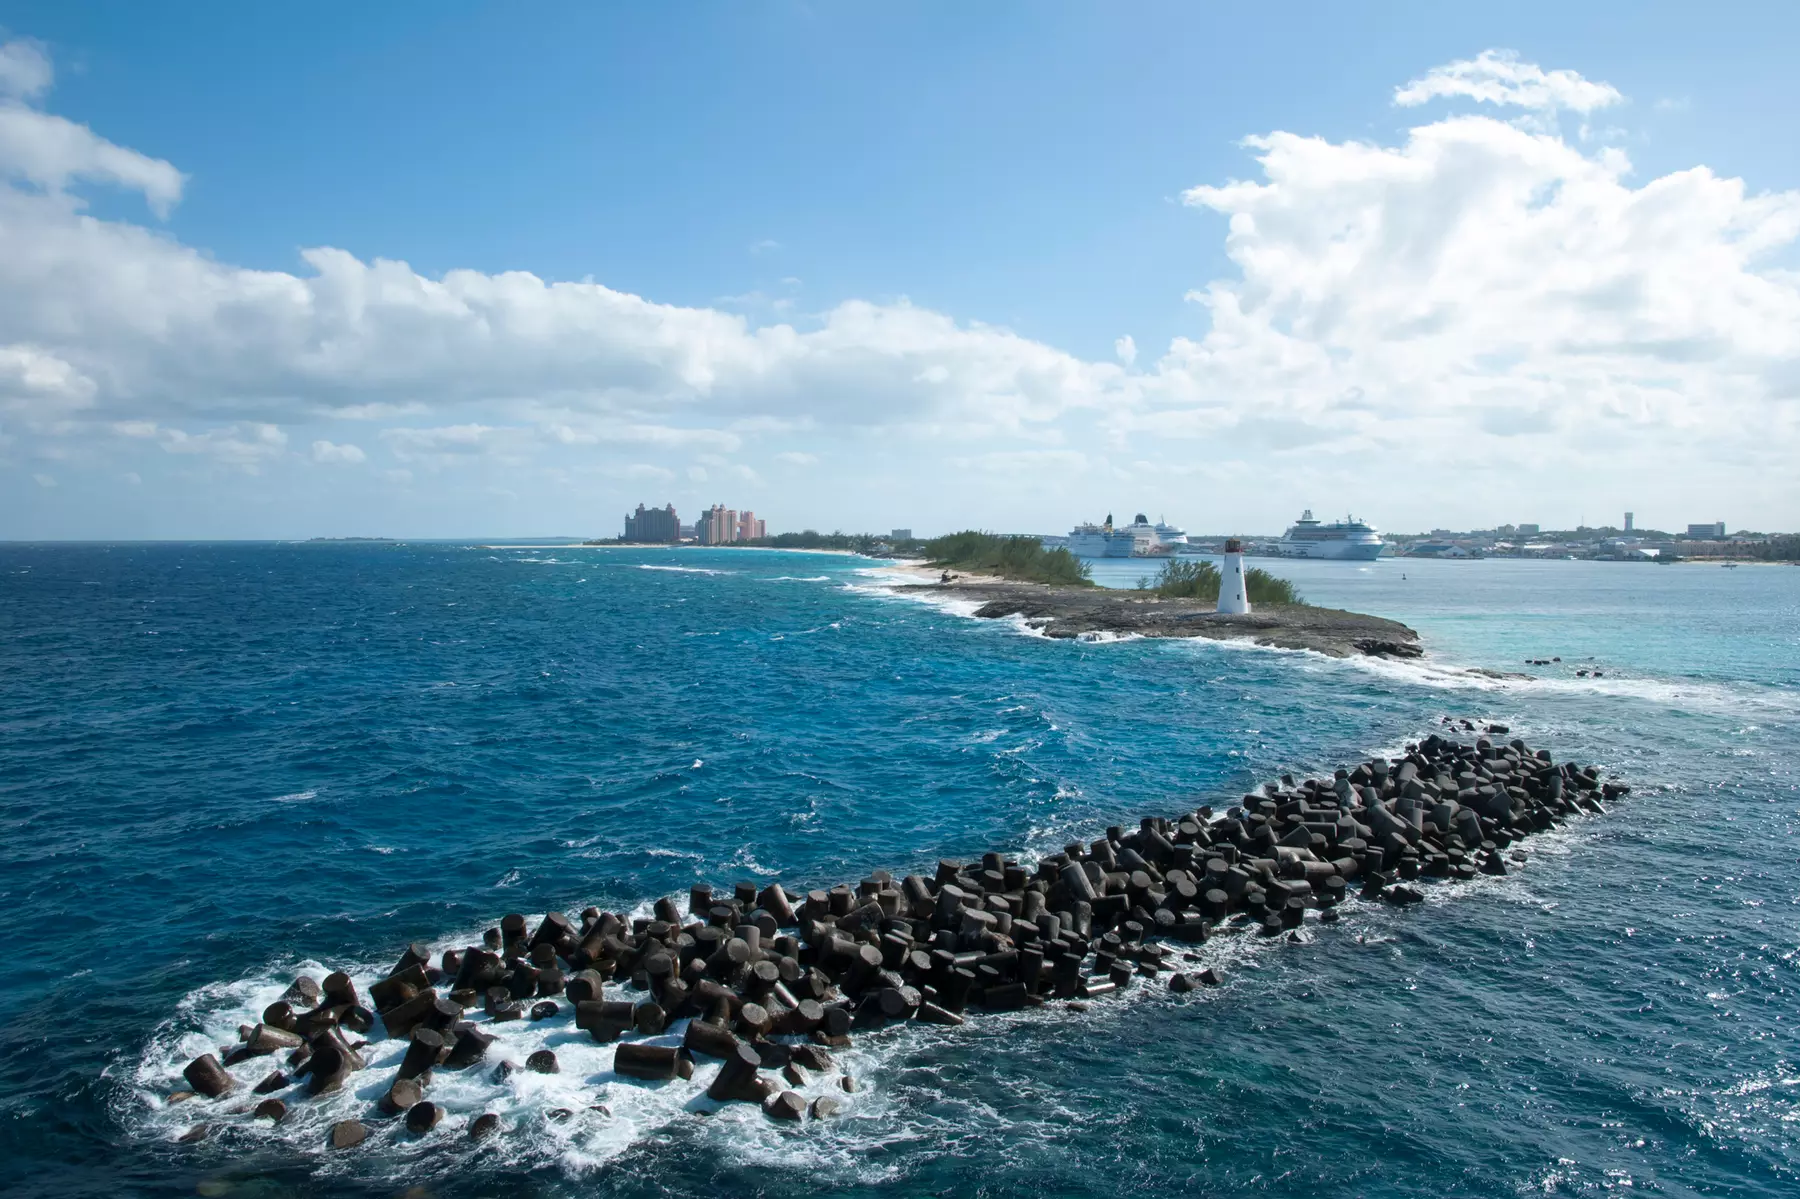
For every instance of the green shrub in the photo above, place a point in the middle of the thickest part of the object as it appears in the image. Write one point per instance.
(1265, 588)
(1199, 579)
(1021, 558)
(1191, 578)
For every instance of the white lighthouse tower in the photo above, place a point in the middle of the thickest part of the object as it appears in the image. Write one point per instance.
(1233, 598)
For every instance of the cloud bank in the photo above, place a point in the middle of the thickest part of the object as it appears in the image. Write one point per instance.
(1479, 310)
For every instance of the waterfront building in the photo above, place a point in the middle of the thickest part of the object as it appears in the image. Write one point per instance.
(749, 528)
(1526, 530)
(716, 526)
(1630, 519)
(1715, 531)
(901, 535)
(658, 526)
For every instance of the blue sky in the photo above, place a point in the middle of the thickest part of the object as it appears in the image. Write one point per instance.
(956, 214)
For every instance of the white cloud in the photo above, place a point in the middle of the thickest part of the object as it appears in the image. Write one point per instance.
(1481, 300)
(25, 70)
(43, 480)
(342, 455)
(764, 245)
(50, 152)
(33, 381)
(1494, 294)
(245, 446)
(1499, 77)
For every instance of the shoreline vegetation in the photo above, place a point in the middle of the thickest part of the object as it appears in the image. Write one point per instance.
(1015, 559)
(1198, 579)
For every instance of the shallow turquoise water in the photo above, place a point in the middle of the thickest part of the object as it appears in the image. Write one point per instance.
(223, 762)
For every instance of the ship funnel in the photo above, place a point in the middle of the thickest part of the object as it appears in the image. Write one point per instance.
(1234, 600)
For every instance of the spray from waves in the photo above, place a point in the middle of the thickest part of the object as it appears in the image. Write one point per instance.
(685, 570)
(942, 603)
(568, 1113)
(1681, 695)
(798, 579)
(912, 1084)
(577, 1119)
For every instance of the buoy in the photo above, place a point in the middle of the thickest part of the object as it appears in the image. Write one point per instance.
(1233, 599)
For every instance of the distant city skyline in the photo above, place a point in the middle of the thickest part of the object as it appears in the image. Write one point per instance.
(433, 273)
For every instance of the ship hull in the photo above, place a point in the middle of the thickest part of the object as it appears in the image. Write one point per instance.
(1332, 551)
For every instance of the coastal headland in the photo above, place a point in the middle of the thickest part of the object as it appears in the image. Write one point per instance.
(1071, 612)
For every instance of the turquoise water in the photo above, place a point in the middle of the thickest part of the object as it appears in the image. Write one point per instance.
(222, 764)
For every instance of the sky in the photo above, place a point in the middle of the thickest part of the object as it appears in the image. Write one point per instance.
(450, 270)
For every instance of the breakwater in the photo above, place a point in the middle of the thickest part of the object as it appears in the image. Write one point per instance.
(771, 985)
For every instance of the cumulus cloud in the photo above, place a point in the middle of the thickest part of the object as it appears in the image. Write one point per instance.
(1499, 77)
(1495, 294)
(340, 455)
(1481, 299)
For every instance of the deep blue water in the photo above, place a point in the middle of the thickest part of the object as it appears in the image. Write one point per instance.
(221, 764)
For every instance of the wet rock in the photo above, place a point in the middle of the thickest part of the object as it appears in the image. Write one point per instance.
(338, 990)
(709, 1040)
(544, 1010)
(208, 1077)
(280, 1014)
(543, 1062)
(402, 1096)
(422, 1052)
(739, 1078)
(847, 1083)
(196, 1133)
(484, 1126)
(1181, 984)
(270, 1109)
(274, 1082)
(471, 1046)
(423, 1116)
(786, 1106)
(331, 1064)
(825, 1107)
(303, 992)
(633, 1059)
(346, 1133)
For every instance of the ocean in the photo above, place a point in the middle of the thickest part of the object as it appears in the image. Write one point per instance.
(224, 764)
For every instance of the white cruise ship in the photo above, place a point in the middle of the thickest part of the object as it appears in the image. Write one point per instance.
(1343, 540)
(1139, 539)
(1100, 541)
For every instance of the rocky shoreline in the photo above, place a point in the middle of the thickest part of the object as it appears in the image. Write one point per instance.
(768, 984)
(1075, 612)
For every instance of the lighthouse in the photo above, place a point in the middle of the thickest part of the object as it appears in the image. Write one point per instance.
(1233, 598)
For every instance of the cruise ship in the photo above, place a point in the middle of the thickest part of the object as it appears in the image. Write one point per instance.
(1139, 539)
(1344, 540)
